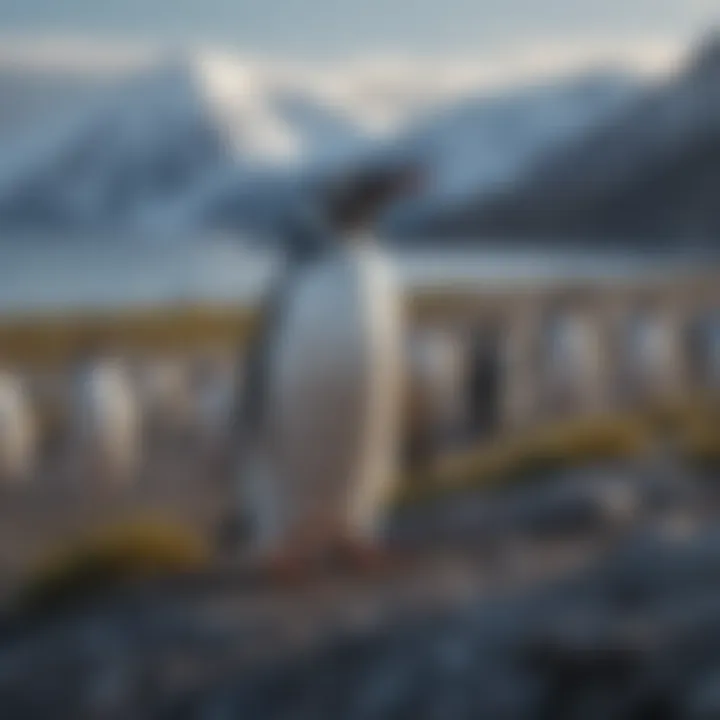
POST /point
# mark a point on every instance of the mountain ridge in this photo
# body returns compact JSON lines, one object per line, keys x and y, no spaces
{"x":650,"y":174}
{"x":199,"y":142}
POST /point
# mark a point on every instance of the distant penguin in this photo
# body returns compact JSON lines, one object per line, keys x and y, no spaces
{"x":572,"y":363}
{"x":436,"y":397}
{"x":167,"y":400}
{"x":322,"y":408}
{"x":18,"y":432}
{"x":106,"y":424}
{"x":214,"y":390}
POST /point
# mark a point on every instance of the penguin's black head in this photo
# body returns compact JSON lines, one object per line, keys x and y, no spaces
{"x":356,"y":201}
{"x":341,"y":207}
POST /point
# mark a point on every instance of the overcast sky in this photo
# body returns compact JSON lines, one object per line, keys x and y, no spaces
{"x":341,"y":27}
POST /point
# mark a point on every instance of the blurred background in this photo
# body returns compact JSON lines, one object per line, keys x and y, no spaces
{"x":556,"y":518}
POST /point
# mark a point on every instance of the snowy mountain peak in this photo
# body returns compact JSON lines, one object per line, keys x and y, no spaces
{"x":706,"y":59}
{"x":195,"y":137}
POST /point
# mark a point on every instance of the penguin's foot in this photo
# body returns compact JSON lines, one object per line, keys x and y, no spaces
{"x":290,"y":568}
{"x":301,"y":565}
{"x":363,"y":557}
{"x":286,"y":570}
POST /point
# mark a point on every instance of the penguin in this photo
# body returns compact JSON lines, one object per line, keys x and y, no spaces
{"x":320,"y":419}
{"x":436,"y":396}
{"x":18,"y":431}
{"x":107,"y":421}
{"x":214,"y":386}
{"x":164,"y":386}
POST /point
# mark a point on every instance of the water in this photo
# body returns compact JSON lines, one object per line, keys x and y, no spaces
{"x":76,"y":274}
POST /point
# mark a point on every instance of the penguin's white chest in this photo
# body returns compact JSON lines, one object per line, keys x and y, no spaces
{"x":335,"y":399}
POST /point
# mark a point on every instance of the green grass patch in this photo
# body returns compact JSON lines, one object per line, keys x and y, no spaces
{"x":53,"y":339}
{"x":106,"y":559}
{"x":531,"y":454}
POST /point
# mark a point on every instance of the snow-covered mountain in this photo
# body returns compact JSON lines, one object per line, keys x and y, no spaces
{"x":488,"y":141}
{"x":206,"y":141}
{"x":650,"y":173}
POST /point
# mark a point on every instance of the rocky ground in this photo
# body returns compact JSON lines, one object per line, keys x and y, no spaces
{"x":594,"y":594}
